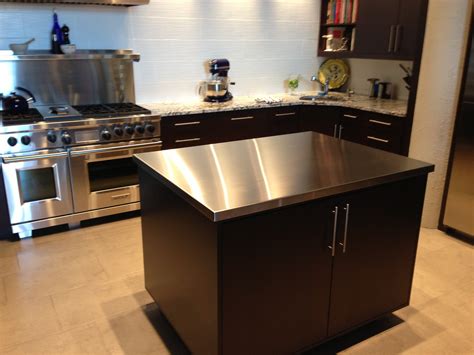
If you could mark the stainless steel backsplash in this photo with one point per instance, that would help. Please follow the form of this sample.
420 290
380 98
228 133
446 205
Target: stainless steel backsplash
87 77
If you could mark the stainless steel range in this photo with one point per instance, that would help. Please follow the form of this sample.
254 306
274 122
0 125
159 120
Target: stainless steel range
64 163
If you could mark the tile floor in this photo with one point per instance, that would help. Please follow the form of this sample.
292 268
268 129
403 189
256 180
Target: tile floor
82 292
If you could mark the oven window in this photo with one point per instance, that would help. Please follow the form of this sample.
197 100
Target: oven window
37 184
111 174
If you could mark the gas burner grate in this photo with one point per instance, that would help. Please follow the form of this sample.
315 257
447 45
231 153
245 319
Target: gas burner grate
31 116
111 110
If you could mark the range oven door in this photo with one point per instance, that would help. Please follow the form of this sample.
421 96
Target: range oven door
106 175
37 185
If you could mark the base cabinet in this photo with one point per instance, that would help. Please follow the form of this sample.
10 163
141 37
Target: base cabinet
285 280
376 130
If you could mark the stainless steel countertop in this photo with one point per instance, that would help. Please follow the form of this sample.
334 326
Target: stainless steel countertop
235 179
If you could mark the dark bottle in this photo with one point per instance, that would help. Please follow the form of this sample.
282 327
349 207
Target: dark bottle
56 36
65 32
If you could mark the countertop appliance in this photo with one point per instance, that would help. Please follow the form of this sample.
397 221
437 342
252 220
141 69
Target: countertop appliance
459 200
71 161
217 88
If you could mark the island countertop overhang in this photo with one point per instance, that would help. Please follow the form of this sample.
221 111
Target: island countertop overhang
235 179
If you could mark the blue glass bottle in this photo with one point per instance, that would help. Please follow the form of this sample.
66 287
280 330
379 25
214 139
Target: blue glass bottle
56 35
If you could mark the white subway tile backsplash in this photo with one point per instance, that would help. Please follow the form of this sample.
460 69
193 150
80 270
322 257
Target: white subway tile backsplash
265 40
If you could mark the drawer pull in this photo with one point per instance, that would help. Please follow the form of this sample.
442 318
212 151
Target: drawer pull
285 114
380 122
350 116
194 123
187 140
378 139
119 197
242 118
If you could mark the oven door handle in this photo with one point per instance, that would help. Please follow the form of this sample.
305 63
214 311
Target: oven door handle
18 159
78 153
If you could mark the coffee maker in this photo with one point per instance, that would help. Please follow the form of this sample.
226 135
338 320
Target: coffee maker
217 87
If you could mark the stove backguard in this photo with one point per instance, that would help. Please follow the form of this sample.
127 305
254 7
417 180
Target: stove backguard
87 77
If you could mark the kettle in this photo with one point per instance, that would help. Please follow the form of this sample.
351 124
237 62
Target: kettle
17 104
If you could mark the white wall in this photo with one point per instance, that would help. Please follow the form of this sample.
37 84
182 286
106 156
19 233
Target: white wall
438 92
265 40
385 70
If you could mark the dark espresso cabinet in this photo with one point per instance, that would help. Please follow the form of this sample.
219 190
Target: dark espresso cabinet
321 119
375 253
389 28
376 130
285 280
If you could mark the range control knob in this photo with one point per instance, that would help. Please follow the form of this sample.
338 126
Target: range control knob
150 128
129 130
140 129
12 141
118 131
52 138
66 138
25 140
106 134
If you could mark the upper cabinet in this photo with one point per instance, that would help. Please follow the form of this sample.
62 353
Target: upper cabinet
388 29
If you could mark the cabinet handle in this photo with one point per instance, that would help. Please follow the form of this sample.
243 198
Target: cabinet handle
242 118
350 116
187 140
346 223
335 131
285 114
118 197
398 36
340 131
334 232
380 122
194 123
378 139
391 38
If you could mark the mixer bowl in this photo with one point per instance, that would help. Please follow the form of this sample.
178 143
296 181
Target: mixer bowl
216 88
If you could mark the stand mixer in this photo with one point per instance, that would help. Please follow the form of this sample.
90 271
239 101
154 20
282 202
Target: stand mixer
217 88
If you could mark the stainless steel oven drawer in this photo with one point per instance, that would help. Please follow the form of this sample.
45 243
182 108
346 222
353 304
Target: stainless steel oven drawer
106 175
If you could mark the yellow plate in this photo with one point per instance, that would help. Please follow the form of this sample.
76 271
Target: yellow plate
336 70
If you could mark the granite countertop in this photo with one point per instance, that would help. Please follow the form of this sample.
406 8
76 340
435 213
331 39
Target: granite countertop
389 107
223 180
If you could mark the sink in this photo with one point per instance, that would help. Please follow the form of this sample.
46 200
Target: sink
319 97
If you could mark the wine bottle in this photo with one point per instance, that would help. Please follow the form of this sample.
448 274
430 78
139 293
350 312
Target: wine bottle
56 35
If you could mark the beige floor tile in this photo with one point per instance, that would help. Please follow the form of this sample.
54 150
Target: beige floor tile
23 320
83 340
3 295
132 333
76 307
83 291
8 265
32 283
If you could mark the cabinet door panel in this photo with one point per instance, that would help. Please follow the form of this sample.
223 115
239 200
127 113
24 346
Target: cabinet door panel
244 124
374 275
353 126
276 280
411 13
375 25
319 119
283 120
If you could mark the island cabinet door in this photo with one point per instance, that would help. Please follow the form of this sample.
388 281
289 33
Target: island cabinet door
276 271
375 255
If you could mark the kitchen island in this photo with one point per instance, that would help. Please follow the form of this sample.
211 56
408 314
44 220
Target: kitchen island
274 245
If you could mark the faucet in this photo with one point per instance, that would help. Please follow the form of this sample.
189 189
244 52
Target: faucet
324 86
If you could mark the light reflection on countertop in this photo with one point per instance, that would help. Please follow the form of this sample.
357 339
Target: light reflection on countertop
234 179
